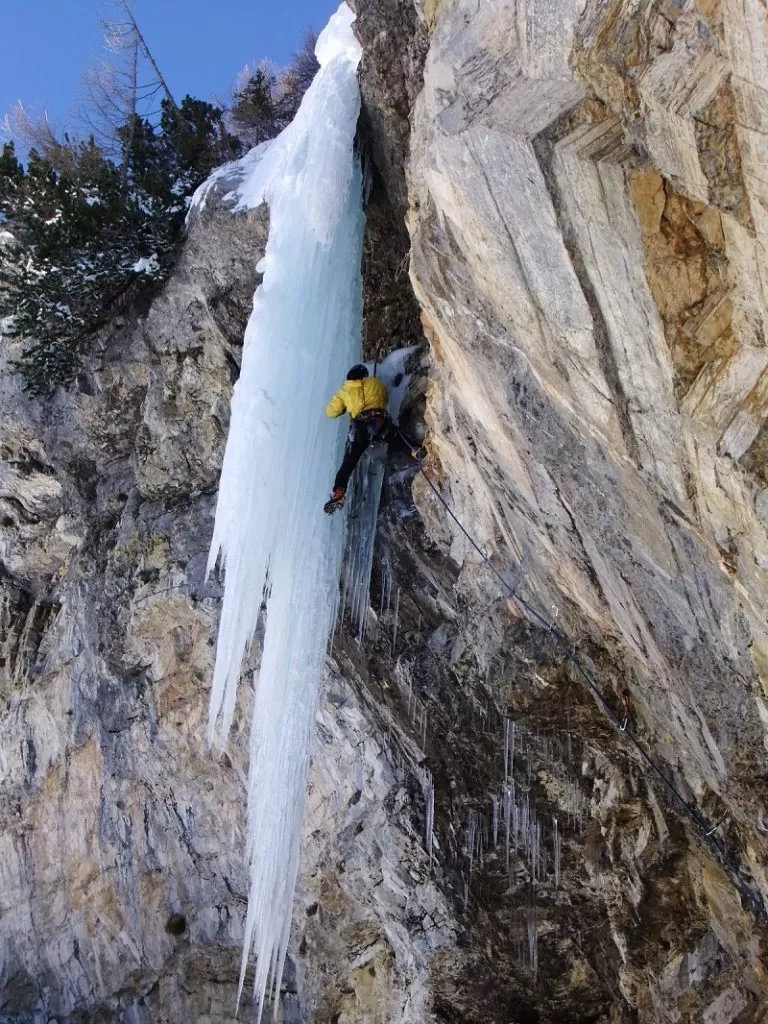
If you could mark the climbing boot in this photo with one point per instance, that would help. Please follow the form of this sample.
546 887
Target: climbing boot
337 501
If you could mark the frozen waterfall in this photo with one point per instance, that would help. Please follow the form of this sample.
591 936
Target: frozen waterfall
276 544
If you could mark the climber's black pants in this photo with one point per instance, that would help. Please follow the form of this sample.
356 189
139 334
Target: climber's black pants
370 428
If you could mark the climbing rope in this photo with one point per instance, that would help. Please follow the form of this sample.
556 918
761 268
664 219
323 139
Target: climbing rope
621 721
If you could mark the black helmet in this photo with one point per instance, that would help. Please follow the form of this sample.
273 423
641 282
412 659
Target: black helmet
358 371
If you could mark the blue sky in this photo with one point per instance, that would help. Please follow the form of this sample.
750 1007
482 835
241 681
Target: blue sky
200 45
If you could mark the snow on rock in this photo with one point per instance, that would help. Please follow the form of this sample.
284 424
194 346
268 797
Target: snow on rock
275 542
146 265
393 371
235 173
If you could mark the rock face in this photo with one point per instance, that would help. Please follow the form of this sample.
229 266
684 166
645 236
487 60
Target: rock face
580 192
588 228
122 886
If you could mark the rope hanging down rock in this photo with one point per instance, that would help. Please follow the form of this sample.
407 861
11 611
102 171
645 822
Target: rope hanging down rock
703 827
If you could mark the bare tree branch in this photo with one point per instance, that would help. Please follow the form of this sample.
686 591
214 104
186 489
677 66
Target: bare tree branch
115 94
132 101
305 64
126 7
39 133
107 105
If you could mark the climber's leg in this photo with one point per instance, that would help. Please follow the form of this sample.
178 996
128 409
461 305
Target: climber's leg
356 445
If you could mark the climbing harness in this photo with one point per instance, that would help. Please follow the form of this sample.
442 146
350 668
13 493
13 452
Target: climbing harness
621 720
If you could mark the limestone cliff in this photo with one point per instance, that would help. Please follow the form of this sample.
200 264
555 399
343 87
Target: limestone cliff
587 223
580 193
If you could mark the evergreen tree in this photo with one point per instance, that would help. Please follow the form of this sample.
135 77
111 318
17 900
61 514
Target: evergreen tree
77 239
89 233
88 226
266 100
195 139
11 171
255 116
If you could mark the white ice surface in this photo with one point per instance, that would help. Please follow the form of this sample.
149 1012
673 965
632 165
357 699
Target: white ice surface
281 456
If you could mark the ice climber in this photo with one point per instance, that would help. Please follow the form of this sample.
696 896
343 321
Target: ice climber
365 398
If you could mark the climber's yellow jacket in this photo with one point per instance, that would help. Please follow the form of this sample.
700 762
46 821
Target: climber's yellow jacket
357 397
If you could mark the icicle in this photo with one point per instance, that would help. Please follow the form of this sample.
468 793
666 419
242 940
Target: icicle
508 803
281 454
471 837
556 851
429 825
388 588
533 939
522 832
397 617
365 494
536 851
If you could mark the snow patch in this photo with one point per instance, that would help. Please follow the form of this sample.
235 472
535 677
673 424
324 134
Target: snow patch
147 265
234 174
393 372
